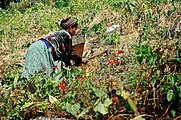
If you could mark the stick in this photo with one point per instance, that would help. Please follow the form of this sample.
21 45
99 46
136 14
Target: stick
91 57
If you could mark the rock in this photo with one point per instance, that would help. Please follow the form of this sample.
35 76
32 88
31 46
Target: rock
50 118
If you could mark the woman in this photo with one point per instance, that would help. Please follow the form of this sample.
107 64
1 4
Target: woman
48 53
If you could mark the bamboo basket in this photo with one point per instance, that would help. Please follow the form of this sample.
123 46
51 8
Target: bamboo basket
79 49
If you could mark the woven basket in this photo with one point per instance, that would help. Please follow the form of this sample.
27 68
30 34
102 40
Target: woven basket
79 48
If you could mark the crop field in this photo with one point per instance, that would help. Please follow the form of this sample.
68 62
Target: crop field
137 78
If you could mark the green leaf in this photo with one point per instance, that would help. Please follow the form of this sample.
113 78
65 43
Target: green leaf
1 31
72 94
15 80
179 91
27 104
7 93
107 102
76 107
101 108
98 92
97 101
82 113
175 59
131 7
171 78
118 92
170 95
73 109
173 112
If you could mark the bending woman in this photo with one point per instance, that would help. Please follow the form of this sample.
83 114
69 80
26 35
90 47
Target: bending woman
49 52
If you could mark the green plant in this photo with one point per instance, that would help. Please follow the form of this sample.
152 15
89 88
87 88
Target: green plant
145 52
61 3
113 38
97 28
143 78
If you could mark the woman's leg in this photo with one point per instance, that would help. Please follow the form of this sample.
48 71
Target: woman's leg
58 73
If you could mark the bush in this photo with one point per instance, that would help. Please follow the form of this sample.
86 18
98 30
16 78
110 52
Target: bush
5 3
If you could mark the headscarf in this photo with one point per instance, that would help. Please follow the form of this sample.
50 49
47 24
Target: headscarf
69 23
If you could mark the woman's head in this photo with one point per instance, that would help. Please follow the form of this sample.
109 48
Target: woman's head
70 25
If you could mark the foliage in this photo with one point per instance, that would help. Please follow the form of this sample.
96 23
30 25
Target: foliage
61 3
140 75
5 3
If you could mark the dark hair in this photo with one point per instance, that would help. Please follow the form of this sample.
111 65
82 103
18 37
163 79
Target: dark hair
64 21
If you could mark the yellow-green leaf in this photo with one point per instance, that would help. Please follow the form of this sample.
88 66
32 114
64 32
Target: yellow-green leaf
107 102
52 99
27 104
101 108
125 94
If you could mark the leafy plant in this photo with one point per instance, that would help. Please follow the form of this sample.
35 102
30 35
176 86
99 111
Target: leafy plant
145 52
137 76
97 27
113 38
61 3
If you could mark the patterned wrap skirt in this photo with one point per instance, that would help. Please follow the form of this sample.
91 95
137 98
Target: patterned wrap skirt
39 59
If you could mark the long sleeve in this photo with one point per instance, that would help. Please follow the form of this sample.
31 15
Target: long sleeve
71 54
61 42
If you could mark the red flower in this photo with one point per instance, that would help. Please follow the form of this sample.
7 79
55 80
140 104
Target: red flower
62 85
63 88
115 62
85 76
115 99
94 79
109 62
137 75
119 52
78 77
55 67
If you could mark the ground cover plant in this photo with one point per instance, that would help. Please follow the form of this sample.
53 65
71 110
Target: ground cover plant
137 78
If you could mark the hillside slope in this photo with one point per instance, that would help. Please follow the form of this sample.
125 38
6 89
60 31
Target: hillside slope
137 78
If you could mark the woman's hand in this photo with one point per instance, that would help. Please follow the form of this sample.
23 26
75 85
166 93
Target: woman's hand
84 60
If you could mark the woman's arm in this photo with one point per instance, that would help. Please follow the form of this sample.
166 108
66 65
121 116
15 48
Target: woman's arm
77 59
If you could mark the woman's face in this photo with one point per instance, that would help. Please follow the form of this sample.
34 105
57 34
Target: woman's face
72 31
